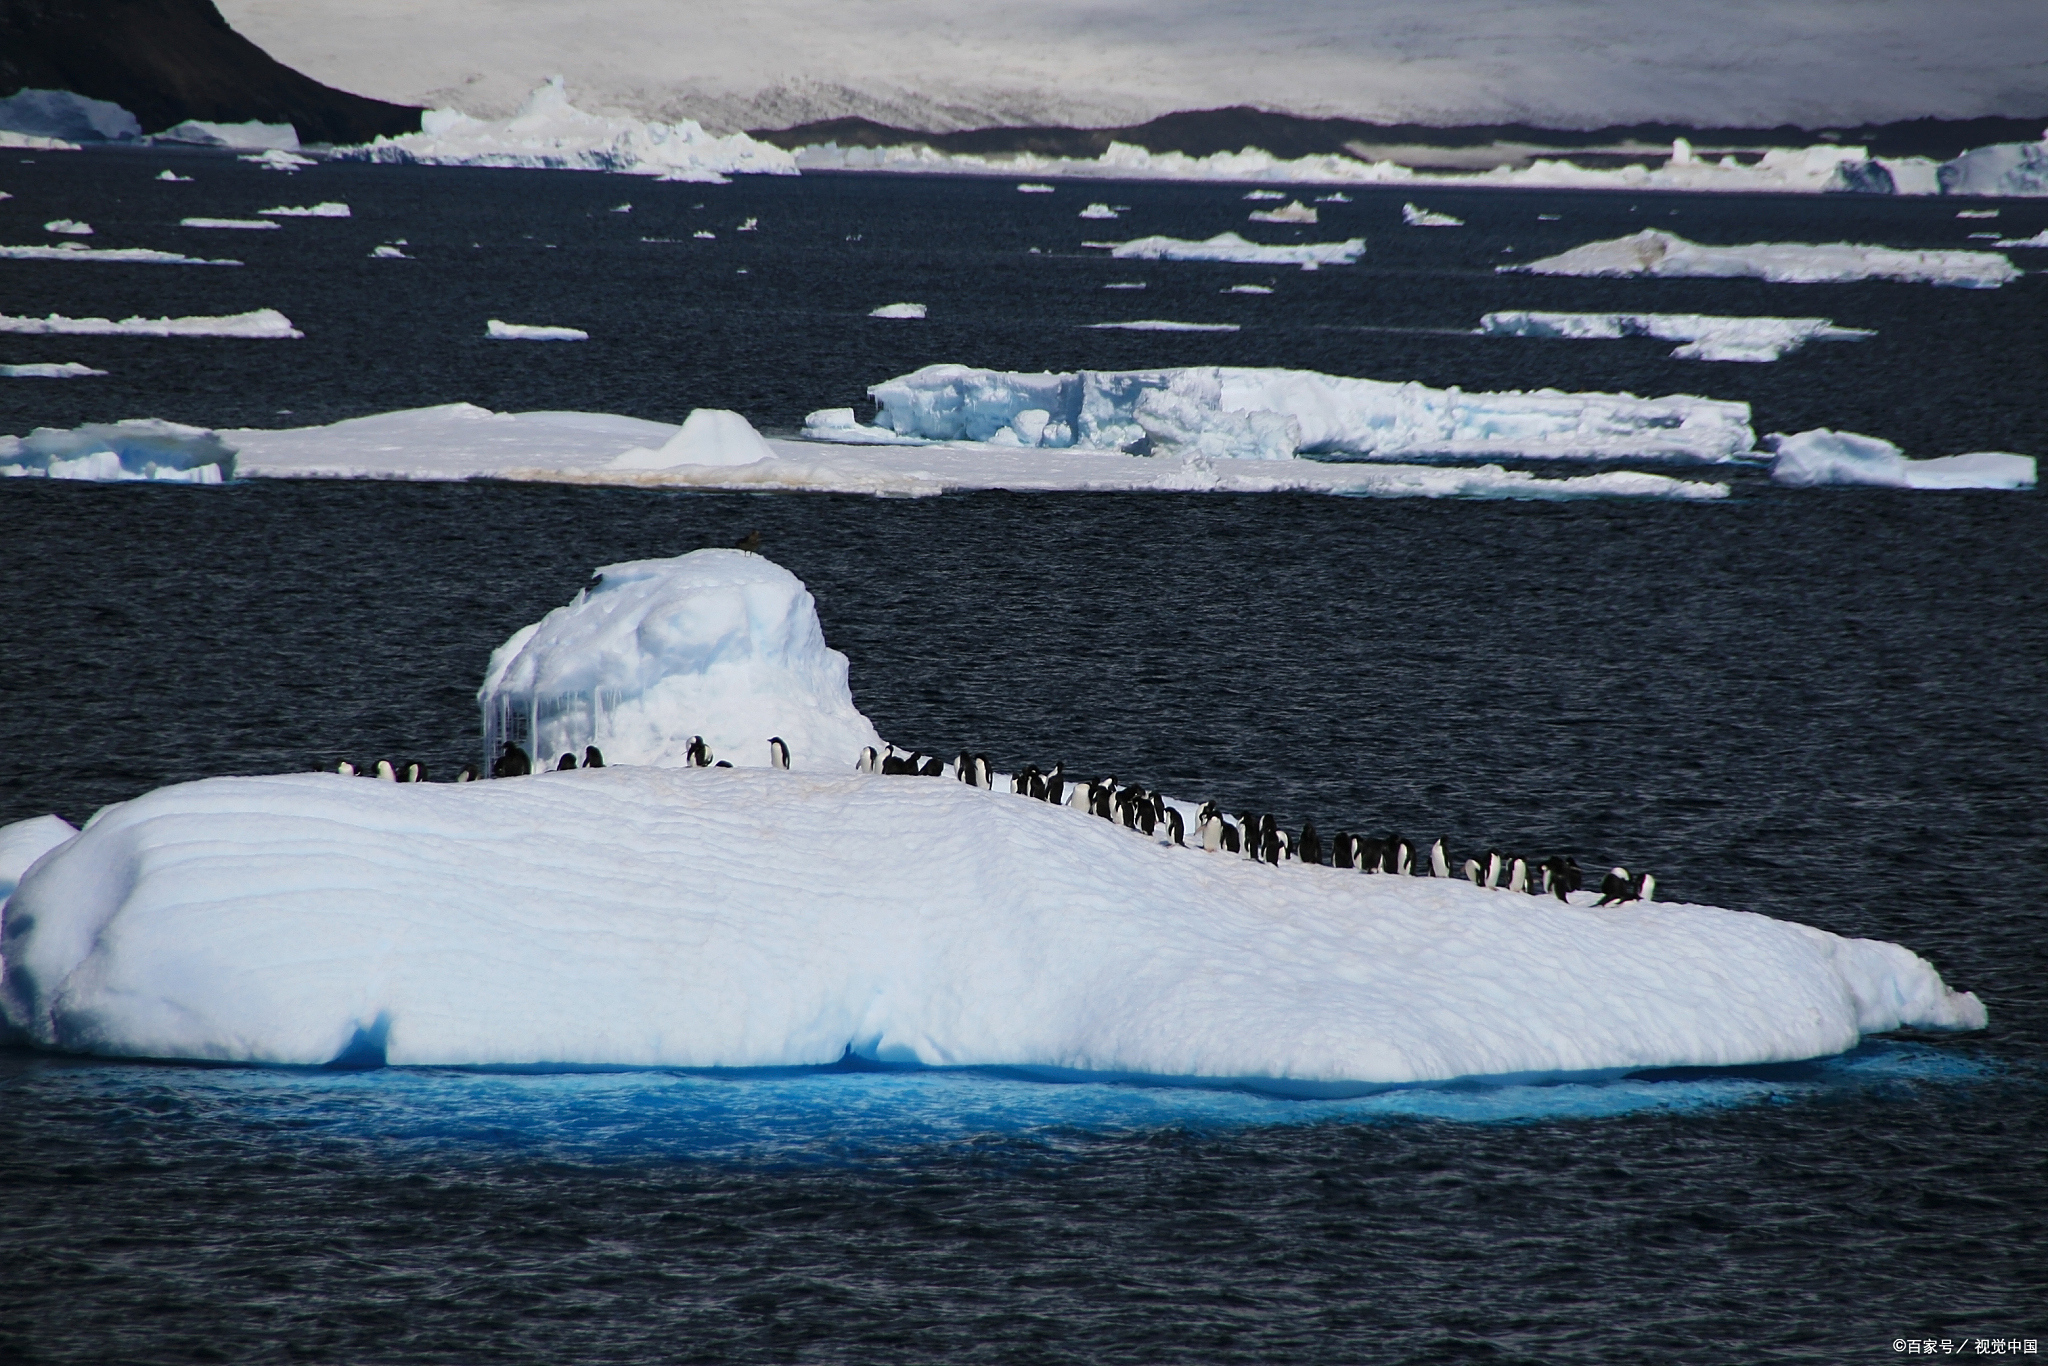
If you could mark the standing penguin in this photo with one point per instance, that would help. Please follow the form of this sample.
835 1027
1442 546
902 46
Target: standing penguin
512 763
1370 851
1475 872
1518 875
567 761
1231 842
1495 866
1340 849
592 757
1254 838
386 771
778 752
1176 830
1056 783
1439 861
984 776
345 769
870 760
1646 888
1311 845
697 754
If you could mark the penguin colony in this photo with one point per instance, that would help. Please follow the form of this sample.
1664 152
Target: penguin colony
1251 836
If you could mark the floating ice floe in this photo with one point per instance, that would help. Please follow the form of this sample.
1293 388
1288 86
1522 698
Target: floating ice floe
174 177
1338 198
70 369
1246 289
261 323
1125 284
705 236
242 224
29 142
550 133
1976 213
138 449
1228 246
898 311
647 914
1804 459
1706 337
69 227
79 251
1264 194
1034 189
1098 211
252 136
1162 325
1652 252
2039 239
387 252
327 209
278 159
1295 212
709 437
501 331
1422 218
622 208
1272 414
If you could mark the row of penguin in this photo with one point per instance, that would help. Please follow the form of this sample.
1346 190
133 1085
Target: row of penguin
1250 836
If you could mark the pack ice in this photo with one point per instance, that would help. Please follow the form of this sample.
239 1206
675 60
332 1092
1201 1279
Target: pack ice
1705 336
1271 414
648 915
551 133
1656 253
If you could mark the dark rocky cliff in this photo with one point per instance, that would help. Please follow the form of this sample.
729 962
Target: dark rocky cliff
170 60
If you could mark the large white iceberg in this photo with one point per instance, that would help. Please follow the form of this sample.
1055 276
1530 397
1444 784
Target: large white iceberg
1271 414
550 133
260 323
1653 252
1706 337
136 449
2004 170
722 644
1821 456
1228 246
642 915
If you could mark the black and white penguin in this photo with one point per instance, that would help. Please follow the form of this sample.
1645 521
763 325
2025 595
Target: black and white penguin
894 763
1340 849
1176 827
1254 838
1439 861
1495 866
984 776
592 757
697 754
1020 783
778 752
934 767
512 763
1105 799
1646 888
1518 875
386 771
1616 888
1282 847
963 767
1228 836
870 760
1147 821
467 775
567 761
1475 872
345 769
1371 850
1311 845
1056 783
1404 858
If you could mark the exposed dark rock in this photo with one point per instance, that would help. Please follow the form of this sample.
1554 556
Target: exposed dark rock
170 60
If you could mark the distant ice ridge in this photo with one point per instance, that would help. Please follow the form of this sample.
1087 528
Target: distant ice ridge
252 136
644 914
502 331
140 448
49 370
1821 456
2039 239
1228 246
1653 252
722 644
1270 414
262 323
79 251
1706 337
551 133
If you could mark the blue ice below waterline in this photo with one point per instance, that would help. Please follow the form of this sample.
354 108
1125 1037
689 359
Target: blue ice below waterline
831 1116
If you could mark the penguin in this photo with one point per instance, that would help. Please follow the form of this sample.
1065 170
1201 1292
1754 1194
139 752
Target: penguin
1340 849
1105 799
870 760
592 757
467 775
697 754
1229 838
963 767
1616 888
345 769
1472 871
1176 827
567 761
413 772
1020 783
721 764
1370 852
1280 848
934 767
1404 859
1311 845
512 763
1646 888
1147 823
1037 788
1254 838
751 543
386 771
1211 827
1495 866
894 763
778 752
1518 875
984 776
1056 783
1439 861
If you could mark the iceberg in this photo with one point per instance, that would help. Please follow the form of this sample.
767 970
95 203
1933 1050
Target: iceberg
719 644
262 323
1272 414
1821 456
1294 212
137 449
2005 170
1706 337
898 311
69 227
252 136
258 224
48 370
170 175
1228 246
63 117
1162 325
550 133
1652 252
708 436
1098 211
323 210
1034 189
79 251
1423 218
651 915
2039 239
278 159
1246 289
501 331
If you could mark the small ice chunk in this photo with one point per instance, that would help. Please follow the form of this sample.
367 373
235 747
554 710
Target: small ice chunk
1246 289
262 323
387 252
327 209
501 331
1264 194
1654 253
49 370
1098 211
1976 213
1338 198
898 311
749 226
70 227
257 224
709 436
174 176
1416 217
1295 212
1125 284
622 208
1161 325
2039 239
1821 456
277 159
1033 188
707 236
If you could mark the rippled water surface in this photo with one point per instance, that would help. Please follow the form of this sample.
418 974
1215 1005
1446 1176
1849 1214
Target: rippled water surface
1823 705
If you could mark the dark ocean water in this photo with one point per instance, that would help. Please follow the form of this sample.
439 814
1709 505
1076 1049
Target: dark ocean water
1823 705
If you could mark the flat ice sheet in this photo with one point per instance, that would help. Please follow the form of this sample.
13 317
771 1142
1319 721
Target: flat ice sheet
1704 337
1652 252
79 251
262 323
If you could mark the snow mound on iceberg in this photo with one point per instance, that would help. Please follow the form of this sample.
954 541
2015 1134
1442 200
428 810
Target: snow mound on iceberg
550 133
23 842
135 449
1706 337
263 323
1270 414
1665 255
1821 456
1228 246
1294 212
719 643
708 436
755 918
